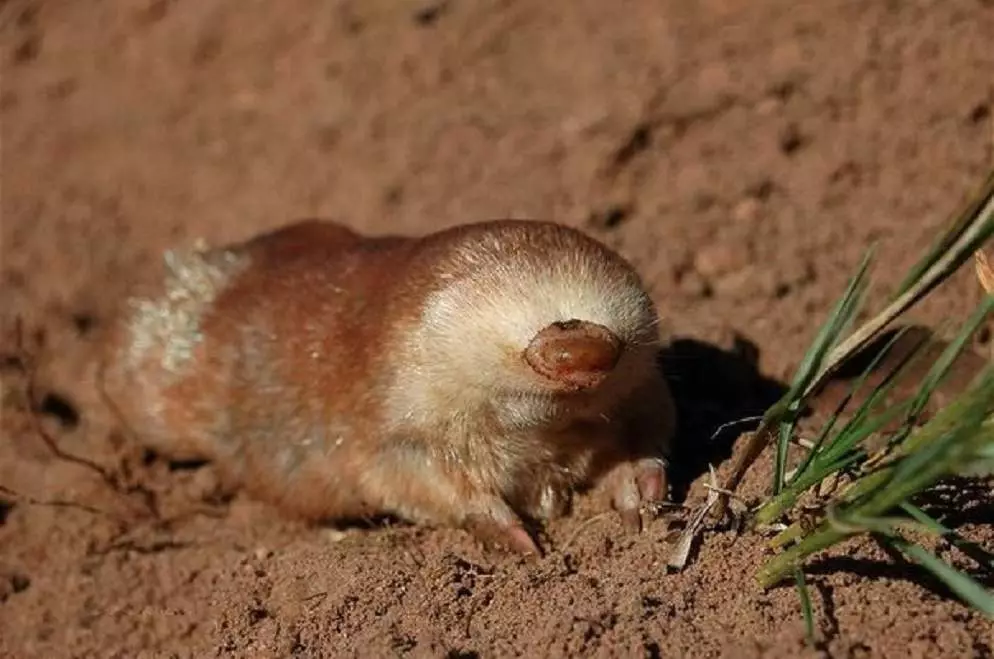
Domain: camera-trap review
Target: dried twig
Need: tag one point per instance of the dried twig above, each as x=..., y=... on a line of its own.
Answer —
x=17, y=497
x=25, y=365
x=681, y=552
x=984, y=271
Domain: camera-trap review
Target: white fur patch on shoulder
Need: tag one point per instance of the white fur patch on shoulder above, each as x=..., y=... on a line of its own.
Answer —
x=170, y=323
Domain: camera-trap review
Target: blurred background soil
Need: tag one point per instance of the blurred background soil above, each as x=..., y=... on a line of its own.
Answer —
x=743, y=155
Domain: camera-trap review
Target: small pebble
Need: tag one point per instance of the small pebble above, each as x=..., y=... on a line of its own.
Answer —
x=335, y=535
x=746, y=210
x=720, y=259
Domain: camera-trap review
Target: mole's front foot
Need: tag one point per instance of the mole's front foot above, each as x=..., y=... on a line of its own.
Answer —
x=633, y=484
x=511, y=536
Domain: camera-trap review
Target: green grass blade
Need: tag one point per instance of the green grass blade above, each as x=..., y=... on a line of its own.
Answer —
x=915, y=470
x=936, y=450
x=829, y=333
x=978, y=221
x=856, y=387
x=807, y=610
x=840, y=456
x=964, y=218
x=964, y=586
x=852, y=437
x=968, y=547
x=862, y=424
x=973, y=227
x=780, y=460
x=782, y=502
x=827, y=338
x=942, y=365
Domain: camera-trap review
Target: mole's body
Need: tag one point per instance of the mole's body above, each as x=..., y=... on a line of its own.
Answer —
x=463, y=378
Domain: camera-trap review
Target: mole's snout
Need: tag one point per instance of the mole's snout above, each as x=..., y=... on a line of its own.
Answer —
x=575, y=353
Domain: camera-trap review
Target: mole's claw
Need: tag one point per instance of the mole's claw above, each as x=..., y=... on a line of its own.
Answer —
x=652, y=480
x=635, y=484
x=520, y=541
x=512, y=537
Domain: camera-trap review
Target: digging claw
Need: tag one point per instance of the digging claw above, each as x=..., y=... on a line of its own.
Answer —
x=636, y=484
x=652, y=481
x=520, y=541
x=514, y=537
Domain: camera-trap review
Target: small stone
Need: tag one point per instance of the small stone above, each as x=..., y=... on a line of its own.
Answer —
x=746, y=210
x=735, y=283
x=769, y=105
x=720, y=259
x=584, y=121
x=335, y=535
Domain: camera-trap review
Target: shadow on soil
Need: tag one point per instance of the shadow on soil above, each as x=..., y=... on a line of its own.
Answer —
x=955, y=503
x=718, y=395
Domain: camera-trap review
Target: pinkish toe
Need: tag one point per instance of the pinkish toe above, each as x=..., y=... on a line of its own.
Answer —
x=512, y=537
x=652, y=481
x=626, y=498
x=520, y=541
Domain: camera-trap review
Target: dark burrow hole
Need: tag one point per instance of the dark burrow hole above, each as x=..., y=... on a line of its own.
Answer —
x=59, y=408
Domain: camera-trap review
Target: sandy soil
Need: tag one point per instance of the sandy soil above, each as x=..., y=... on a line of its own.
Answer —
x=742, y=154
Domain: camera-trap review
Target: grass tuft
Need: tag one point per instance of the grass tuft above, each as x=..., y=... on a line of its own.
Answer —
x=850, y=486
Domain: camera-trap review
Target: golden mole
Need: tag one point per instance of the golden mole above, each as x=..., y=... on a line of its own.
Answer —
x=471, y=377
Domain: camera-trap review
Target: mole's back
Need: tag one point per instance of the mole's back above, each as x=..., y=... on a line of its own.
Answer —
x=276, y=313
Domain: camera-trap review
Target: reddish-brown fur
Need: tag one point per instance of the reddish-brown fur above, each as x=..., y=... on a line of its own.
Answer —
x=298, y=378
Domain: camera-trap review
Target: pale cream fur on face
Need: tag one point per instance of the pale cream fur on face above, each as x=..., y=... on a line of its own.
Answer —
x=466, y=351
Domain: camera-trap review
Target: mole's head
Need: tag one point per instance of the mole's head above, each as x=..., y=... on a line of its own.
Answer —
x=531, y=311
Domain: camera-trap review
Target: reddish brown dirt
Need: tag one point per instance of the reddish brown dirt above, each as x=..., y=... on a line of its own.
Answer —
x=742, y=154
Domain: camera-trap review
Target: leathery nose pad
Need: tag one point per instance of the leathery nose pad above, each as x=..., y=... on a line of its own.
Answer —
x=575, y=353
